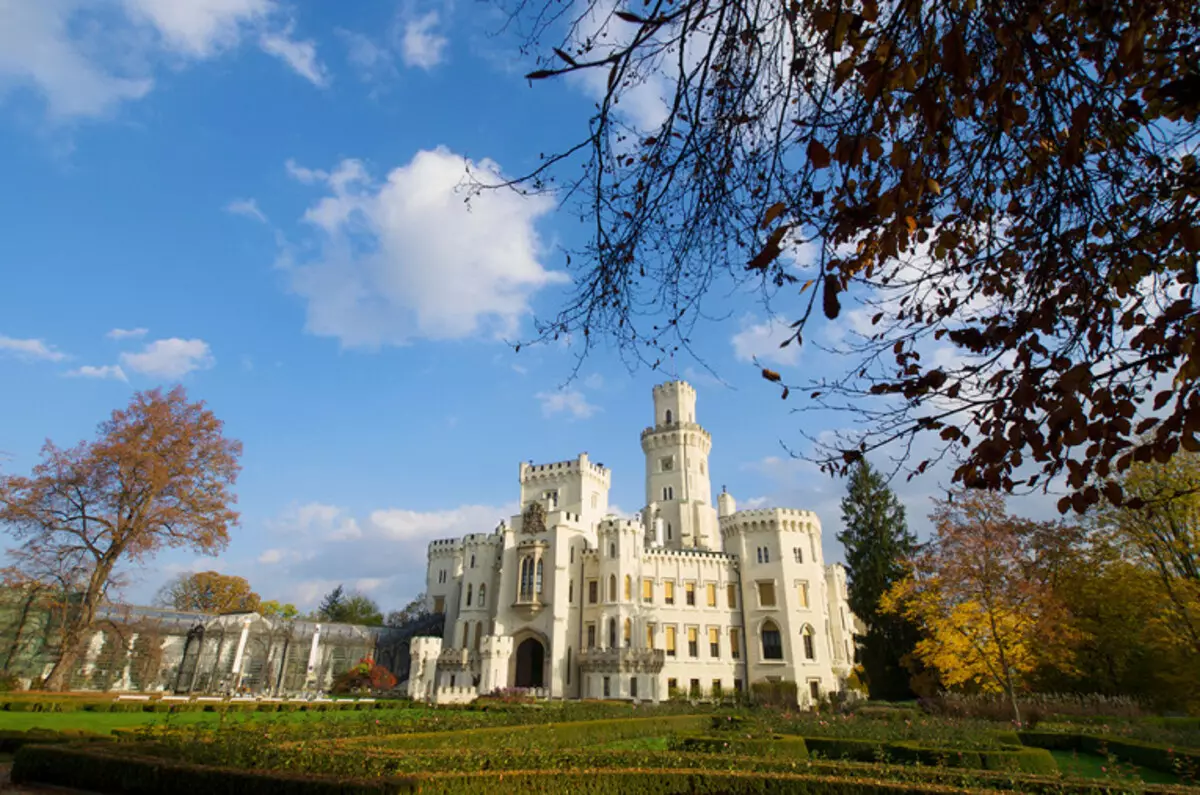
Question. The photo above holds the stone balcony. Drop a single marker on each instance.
(462, 659)
(642, 661)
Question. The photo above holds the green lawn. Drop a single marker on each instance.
(1078, 765)
(105, 722)
(637, 744)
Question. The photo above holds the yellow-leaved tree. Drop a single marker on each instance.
(982, 593)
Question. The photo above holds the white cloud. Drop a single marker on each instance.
(301, 56)
(126, 333)
(30, 348)
(409, 259)
(421, 45)
(569, 401)
(170, 358)
(397, 524)
(271, 556)
(200, 28)
(112, 371)
(248, 208)
(762, 341)
(372, 60)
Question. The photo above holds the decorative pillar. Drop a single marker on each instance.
(313, 656)
(236, 673)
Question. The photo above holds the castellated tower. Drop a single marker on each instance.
(678, 490)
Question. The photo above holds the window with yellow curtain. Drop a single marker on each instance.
(802, 592)
(714, 642)
(670, 641)
(628, 634)
(693, 641)
(690, 590)
(647, 590)
(735, 646)
(669, 592)
(731, 596)
(711, 589)
(649, 636)
(628, 588)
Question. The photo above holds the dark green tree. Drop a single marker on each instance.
(331, 605)
(349, 608)
(877, 541)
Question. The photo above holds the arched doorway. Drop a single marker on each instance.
(531, 663)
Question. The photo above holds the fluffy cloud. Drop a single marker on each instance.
(409, 259)
(112, 371)
(382, 553)
(170, 358)
(566, 401)
(30, 348)
(247, 208)
(421, 45)
(86, 58)
(127, 333)
(762, 341)
(301, 56)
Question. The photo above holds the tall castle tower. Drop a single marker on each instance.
(679, 509)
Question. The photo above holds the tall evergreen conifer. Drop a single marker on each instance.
(877, 541)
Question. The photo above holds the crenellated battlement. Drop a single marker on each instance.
(669, 388)
(705, 555)
(791, 520)
(533, 473)
(482, 539)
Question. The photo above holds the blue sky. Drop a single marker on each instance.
(258, 199)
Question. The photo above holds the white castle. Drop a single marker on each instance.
(569, 601)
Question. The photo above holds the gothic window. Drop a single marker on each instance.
(799, 554)
(570, 591)
(668, 531)
(593, 589)
(633, 687)
(591, 635)
(538, 580)
(612, 550)
(766, 554)
(468, 595)
(482, 595)
(478, 634)
(772, 643)
(525, 594)
(759, 551)
(628, 635)
(612, 587)
(472, 560)
(612, 633)
(668, 417)
(810, 648)
(572, 554)
(668, 493)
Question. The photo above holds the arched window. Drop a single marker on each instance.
(482, 595)
(628, 636)
(772, 643)
(810, 647)
(612, 549)
(668, 493)
(628, 587)
(668, 416)
(766, 554)
(525, 594)
(612, 633)
(537, 587)
(668, 531)
(759, 550)
(468, 595)
(472, 560)
(478, 634)
(612, 587)
(466, 630)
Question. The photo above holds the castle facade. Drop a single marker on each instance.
(568, 601)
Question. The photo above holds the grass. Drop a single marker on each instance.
(637, 744)
(1076, 765)
(105, 722)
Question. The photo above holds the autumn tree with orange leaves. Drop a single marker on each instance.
(159, 474)
(1006, 192)
(982, 594)
(209, 592)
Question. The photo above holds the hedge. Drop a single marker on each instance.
(10, 741)
(1026, 760)
(547, 735)
(1156, 757)
(790, 747)
(80, 768)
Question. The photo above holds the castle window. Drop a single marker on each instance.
(666, 463)
(478, 634)
(525, 591)
(814, 689)
(627, 636)
(482, 602)
(468, 595)
(628, 588)
(572, 554)
(759, 551)
(693, 641)
(668, 531)
(568, 665)
(766, 594)
(472, 560)
(612, 633)
(538, 583)
(772, 643)
(668, 419)
(669, 591)
(647, 590)
(799, 554)
(672, 686)
(649, 636)
(593, 592)
(670, 641)
(612, 550)
(439, 604)
(735, 646)
(810, 648)
(766, 554)
(633, 687)
(714, 642)
(711, 593)
(612, 587)
(668, 492)
(591, 636)
(570, 592)
(731, 596)
(689, 592)
(802, 593)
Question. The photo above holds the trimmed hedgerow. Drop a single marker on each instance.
(1163, 758)
(84, 769)
(1026, 760)
(10, 741)
(790, 747)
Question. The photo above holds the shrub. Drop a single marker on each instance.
(790, 747)
(364, 677)
(778, 694)
(9, 682)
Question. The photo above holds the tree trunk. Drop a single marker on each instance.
(74, 628)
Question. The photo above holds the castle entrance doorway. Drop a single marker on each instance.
(531, 663)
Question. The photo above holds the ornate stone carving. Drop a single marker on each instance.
(533, 521)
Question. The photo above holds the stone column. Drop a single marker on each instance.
(313, 656)
(236, 673)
